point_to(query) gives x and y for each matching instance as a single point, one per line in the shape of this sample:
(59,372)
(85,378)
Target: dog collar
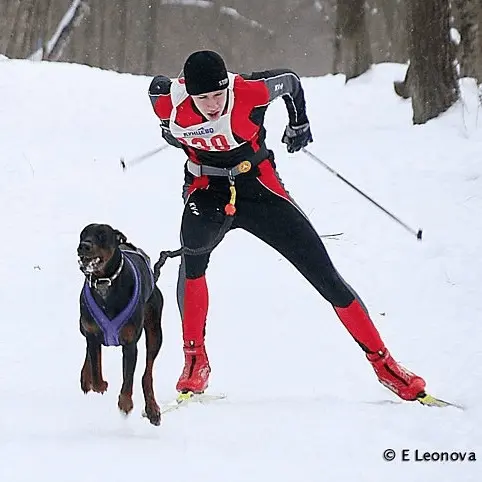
(108,281)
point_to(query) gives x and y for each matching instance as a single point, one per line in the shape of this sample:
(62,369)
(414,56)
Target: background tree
(392,20)
(16,21)
(468,13)
(431,81)
(352,54)
(153,36)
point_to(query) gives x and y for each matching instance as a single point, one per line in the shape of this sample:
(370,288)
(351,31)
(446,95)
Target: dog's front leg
(129,361)
(86,373)
(99,385)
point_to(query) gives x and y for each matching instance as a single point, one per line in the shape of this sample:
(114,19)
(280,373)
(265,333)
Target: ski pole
(137,160)
(418,233)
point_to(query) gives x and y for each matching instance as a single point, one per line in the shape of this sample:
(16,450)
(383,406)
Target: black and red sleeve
(160,95)
(286,84)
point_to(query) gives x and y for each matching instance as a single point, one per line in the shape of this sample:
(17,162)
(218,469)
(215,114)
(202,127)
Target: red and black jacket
(253,94)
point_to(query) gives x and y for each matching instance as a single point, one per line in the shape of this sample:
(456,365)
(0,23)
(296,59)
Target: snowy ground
(303,404)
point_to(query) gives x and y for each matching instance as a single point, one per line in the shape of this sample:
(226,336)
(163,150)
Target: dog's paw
(153,413)
(85,387)
(101,387)
(85,382)
(125,403)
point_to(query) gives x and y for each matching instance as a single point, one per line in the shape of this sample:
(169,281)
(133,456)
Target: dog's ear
(120,238)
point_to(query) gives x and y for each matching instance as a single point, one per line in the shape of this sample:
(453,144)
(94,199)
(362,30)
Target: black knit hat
(205,71)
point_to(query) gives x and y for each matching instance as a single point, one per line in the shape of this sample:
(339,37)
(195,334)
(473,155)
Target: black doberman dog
(118,301)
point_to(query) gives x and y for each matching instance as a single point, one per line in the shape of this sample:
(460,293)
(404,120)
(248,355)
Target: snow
(455,36)
(303,403)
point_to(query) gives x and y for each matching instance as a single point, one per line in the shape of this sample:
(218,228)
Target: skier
(217,118)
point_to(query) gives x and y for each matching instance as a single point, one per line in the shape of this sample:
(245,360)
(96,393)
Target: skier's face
(211,105)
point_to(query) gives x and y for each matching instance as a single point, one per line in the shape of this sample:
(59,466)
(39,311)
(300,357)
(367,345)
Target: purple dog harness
(143,287)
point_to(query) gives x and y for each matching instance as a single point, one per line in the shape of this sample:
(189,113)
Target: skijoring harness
(139,265)
(198,170)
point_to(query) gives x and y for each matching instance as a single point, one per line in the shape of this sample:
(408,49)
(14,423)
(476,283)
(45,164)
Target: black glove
(168,137)
(297,137)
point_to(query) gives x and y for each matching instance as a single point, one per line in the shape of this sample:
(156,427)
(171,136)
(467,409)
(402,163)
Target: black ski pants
(264,209)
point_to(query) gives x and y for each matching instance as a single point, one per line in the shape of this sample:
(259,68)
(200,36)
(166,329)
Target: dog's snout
(85,247)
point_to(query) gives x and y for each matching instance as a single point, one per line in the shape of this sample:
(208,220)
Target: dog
(119,301)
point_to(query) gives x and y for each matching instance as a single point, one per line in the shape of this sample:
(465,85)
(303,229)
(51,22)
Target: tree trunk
(433,77)
(469,48)
(123,7)
(67,30)
(394,14)
(18,15)
(479,44)
(352,55)
(153,27)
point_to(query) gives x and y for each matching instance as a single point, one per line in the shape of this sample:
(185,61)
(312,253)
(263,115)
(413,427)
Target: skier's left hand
(297,137)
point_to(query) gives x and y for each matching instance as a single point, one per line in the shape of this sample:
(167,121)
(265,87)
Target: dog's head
(98,243)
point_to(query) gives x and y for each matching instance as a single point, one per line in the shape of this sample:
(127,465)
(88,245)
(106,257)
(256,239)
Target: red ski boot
(396,378)
(195,376)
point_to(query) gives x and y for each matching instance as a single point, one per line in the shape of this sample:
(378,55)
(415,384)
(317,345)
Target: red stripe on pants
(196,302)
(270,180)
(360,326)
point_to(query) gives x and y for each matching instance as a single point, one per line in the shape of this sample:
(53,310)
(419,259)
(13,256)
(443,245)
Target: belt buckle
(242,167)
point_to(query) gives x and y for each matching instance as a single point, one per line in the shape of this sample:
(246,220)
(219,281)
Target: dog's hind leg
(153,331)
(99,385)
(129,361)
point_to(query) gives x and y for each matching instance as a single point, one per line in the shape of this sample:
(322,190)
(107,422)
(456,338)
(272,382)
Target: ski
(431,401)
(424,399)
(184,399)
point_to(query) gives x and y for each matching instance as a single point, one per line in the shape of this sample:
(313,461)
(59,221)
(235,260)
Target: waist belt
(199,170)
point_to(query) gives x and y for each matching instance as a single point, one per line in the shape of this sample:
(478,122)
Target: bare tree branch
(232,12)
(189,3)
(52,50)
(253,23)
